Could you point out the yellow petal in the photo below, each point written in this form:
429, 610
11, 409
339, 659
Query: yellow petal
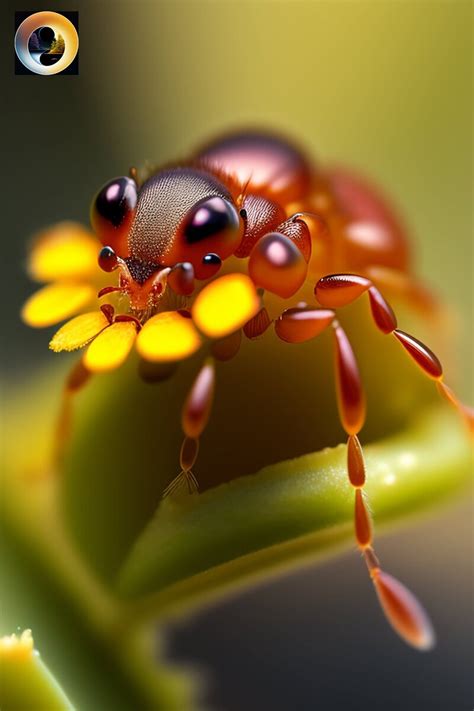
65, 251
168, 336
111, 347
225, 305
56, 302
79, 331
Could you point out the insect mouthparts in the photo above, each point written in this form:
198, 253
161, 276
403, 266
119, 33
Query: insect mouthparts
141, 270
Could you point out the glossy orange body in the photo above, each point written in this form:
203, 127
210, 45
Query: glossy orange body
252, 185
276, 181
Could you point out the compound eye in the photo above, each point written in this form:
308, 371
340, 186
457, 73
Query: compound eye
212, 226
112, 213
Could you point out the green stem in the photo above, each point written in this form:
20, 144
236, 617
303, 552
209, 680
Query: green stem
294, 511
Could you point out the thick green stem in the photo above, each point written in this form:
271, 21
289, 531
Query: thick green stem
291, 511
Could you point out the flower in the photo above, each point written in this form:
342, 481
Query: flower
67, 254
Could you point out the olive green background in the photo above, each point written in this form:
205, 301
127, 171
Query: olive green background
382, 86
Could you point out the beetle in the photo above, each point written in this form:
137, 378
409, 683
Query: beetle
254, 197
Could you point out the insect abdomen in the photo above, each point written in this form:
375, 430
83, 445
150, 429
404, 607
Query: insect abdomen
264, 164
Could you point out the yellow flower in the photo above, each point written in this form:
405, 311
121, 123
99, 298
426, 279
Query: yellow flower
67, 255
169, 335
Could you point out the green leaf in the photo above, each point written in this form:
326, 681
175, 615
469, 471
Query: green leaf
292, 510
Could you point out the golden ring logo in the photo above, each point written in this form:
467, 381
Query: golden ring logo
46, 43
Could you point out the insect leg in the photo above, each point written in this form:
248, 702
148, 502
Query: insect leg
194, 418
75, 381
338, 290
403, 611
401, 608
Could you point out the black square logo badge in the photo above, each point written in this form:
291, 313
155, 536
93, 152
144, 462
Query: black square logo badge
46, 42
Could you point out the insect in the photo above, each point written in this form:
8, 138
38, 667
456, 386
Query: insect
251, 199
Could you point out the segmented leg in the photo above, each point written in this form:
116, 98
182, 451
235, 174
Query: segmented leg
194, 418
338, 290
401, 608
76, 380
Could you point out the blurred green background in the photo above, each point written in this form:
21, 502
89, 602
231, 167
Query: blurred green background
382, 86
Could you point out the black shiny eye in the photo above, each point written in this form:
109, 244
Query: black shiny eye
212, 218
115, 200
211, 260
210, 265
112, 211
108, 259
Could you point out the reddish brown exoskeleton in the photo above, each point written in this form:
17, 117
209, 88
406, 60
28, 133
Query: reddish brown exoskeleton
255, 197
